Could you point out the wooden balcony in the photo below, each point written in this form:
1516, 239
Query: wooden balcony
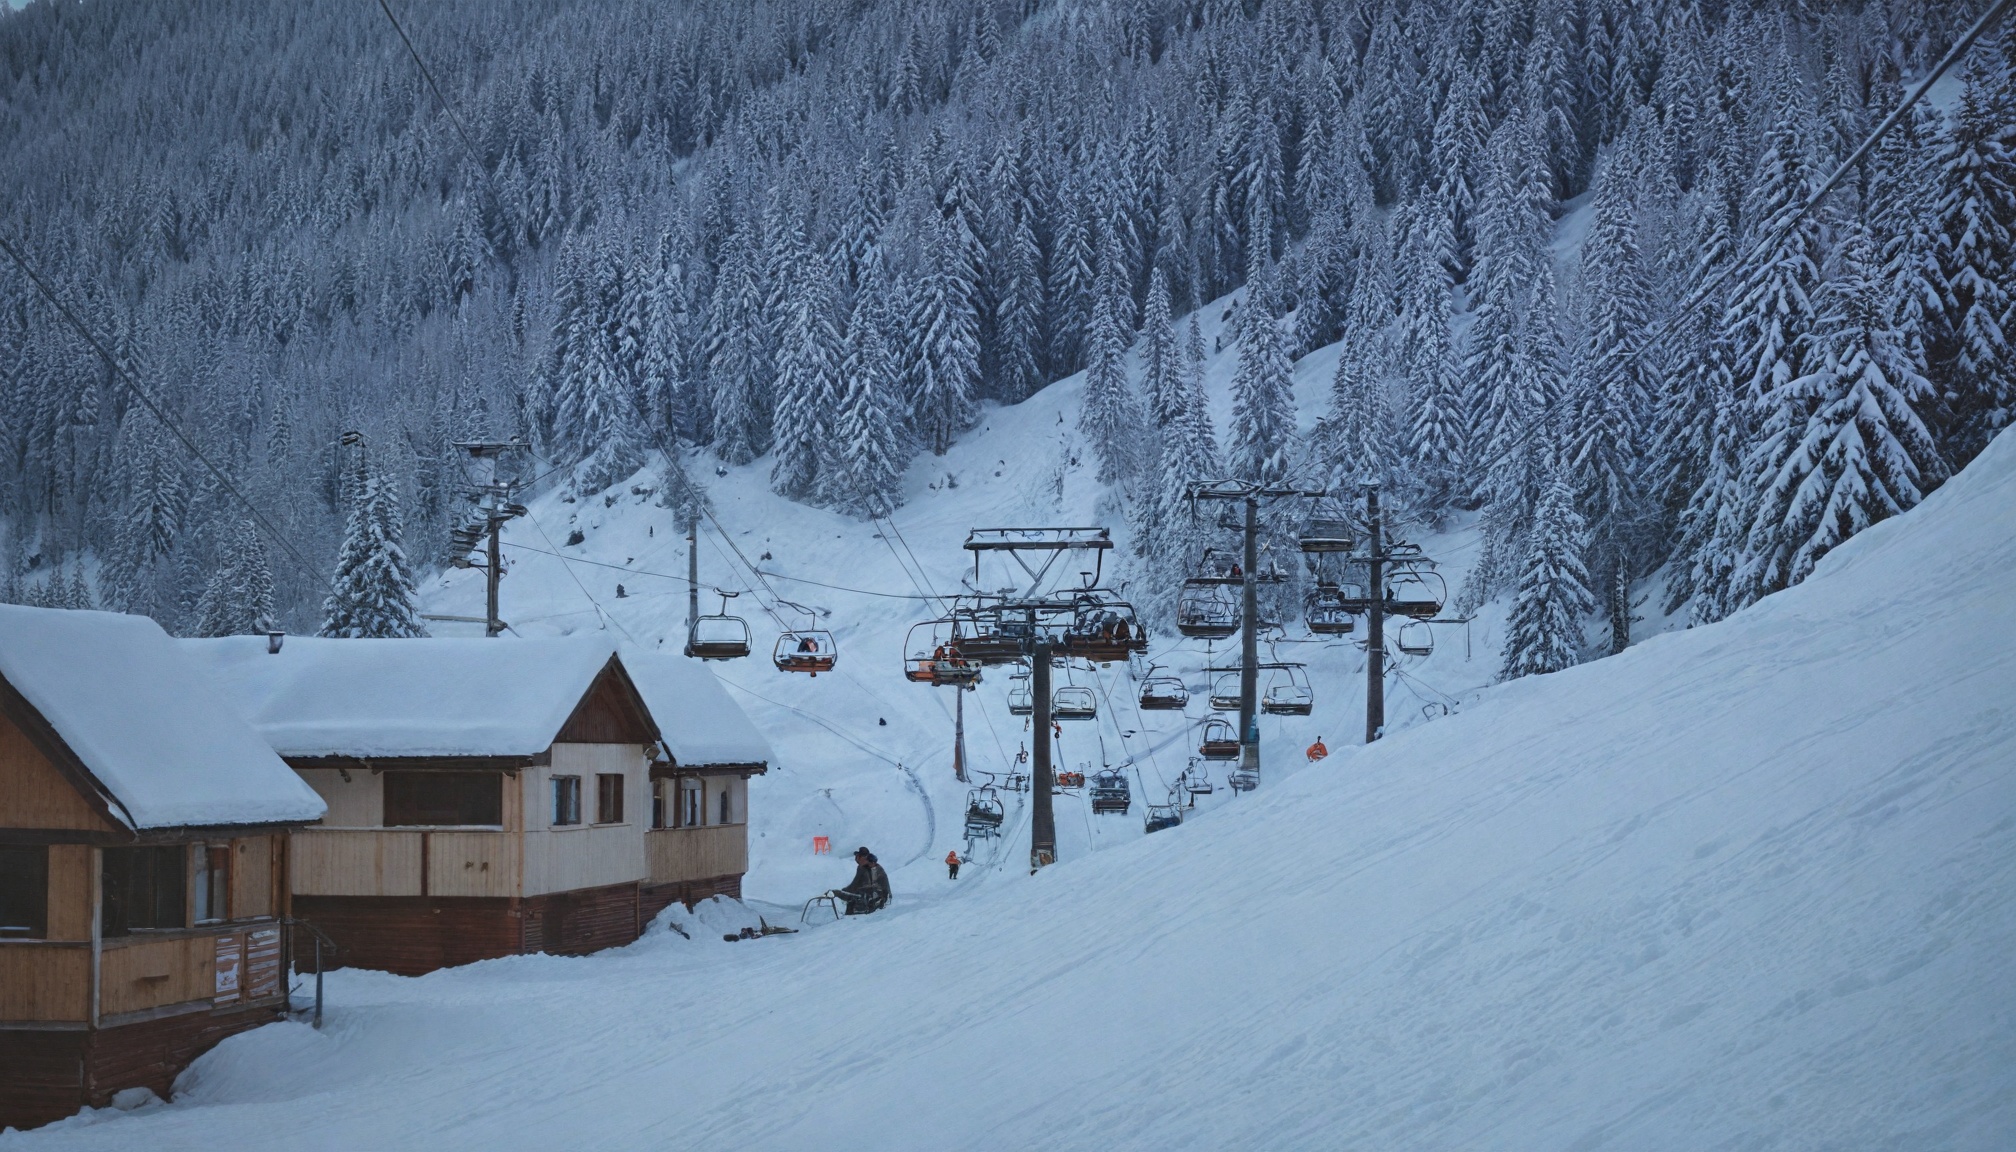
679, 854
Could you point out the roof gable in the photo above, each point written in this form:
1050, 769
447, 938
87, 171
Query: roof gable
699, 723
109, 698
611, 712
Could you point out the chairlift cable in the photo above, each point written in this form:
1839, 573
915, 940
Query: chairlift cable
600, 612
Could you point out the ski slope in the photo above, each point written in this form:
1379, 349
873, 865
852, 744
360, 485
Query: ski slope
1746, 886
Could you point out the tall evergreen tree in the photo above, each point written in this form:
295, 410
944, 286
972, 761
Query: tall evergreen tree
1263, 394
1163, 372
372, 595
1969, 351
238, 600
808, 383
944, 353
1544, 631
868, 473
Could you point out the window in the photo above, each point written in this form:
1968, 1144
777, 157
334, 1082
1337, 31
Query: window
24, 892
566, 800
213, 882
658, 803
690, 809
143, 888
413, 797
609, 798
727, 804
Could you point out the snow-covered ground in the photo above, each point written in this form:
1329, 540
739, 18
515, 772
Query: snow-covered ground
1745, 886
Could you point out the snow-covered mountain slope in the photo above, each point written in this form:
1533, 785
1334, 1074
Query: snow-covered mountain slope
1750, 885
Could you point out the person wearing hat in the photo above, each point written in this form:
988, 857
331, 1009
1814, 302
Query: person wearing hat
952, 862
870, 887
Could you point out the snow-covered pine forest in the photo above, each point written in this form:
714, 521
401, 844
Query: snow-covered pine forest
832, 232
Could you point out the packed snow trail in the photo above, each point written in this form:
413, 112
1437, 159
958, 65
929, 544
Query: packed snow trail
1750, 885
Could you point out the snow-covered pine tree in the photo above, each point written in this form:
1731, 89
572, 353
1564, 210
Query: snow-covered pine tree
157, 502
1969, 352
1437, 421
808, 383
1163, 371
596, 357
1771, 310
1072, 256
867, 479
1841, 446
944, 351
739, 360
1263, 395
1110, 415
238, 598
372, 595
1544, 631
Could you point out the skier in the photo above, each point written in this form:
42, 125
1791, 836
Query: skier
870, 887
1318, 750
952, 863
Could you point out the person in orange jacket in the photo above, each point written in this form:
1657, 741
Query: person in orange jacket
1317, 751
952, 863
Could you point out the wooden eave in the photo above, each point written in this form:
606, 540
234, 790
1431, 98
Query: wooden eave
43, 735
423, 763
666, 769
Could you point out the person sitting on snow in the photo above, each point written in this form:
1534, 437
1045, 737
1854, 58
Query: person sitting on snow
870, 887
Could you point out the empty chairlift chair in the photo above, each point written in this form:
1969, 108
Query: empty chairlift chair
1326, 534
1206, 611
1220, 741
1288, 691
1325, 613
1020, 701
1074, 702
1110, 794
1162, 816
1418, 592
1416, 638
1244, 781
1197, 779
718, 635
984, 813
1225, 693
1164, 694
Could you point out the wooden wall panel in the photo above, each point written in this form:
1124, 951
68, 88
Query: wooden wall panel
407, 935
252, 878
586, 855
610, 713
71, 909
150, 1053
33, 794
137, 973
473, 863
682, 854
355, 863
583, 921
356, 803
655, 898
45, 982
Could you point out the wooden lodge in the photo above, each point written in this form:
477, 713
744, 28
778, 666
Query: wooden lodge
144, 835
489, 797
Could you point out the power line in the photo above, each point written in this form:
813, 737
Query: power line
1700, 295
454, 116
132, 385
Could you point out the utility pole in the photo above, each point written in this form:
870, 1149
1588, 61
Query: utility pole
1042, 815
495, 506
1375, 632
692, 575
959, 735
1249, 643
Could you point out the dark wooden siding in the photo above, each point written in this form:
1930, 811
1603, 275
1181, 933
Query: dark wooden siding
655, 898
46, 1075
412, 935
581, 921
611, 713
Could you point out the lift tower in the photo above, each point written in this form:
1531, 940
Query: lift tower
495, 506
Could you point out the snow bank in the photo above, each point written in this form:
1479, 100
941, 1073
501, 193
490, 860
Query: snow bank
322, 697
149, 725
698, 722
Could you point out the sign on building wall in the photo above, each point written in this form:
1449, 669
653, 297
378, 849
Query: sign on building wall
230, 954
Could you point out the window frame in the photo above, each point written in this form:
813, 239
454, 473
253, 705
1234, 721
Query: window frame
163, 861
660, 804
609, 788
400, 784
566, 801
32, 885
209, 883
727, 804
692, 806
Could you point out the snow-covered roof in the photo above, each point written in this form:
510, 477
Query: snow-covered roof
149, 724
697, 720
394, 698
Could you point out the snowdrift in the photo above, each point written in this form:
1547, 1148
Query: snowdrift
1751, 885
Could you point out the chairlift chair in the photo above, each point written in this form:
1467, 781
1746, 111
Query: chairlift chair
1206, 611
1217, 567
1067, 781
1197, 779
1325, 613
808, 650
1073, 702
1021, 702
1416, 638
1162, 816
717, 635
1105, 631
935, 655
987, 640
1325, 534
1164, 694
1110, 794
1225, 693
1243, 780
1288, 692
1220, 742
1416, 592
984, 812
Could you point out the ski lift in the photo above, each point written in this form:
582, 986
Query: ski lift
1288, 691
1206, 611
984, 812
1197, 779
808, 650
1163, 693
1225, 693
986, 639
1217, 567
1073, 702
718, 636
1220, 742
1244, 780
1105, 631
1416, 638
1110, 793
1416, 592
1325, 613
1325, 535
1069, 782
935, 655
1020, 701
1162, 816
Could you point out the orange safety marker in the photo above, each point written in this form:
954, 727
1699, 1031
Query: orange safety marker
821, 845
1317, 751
